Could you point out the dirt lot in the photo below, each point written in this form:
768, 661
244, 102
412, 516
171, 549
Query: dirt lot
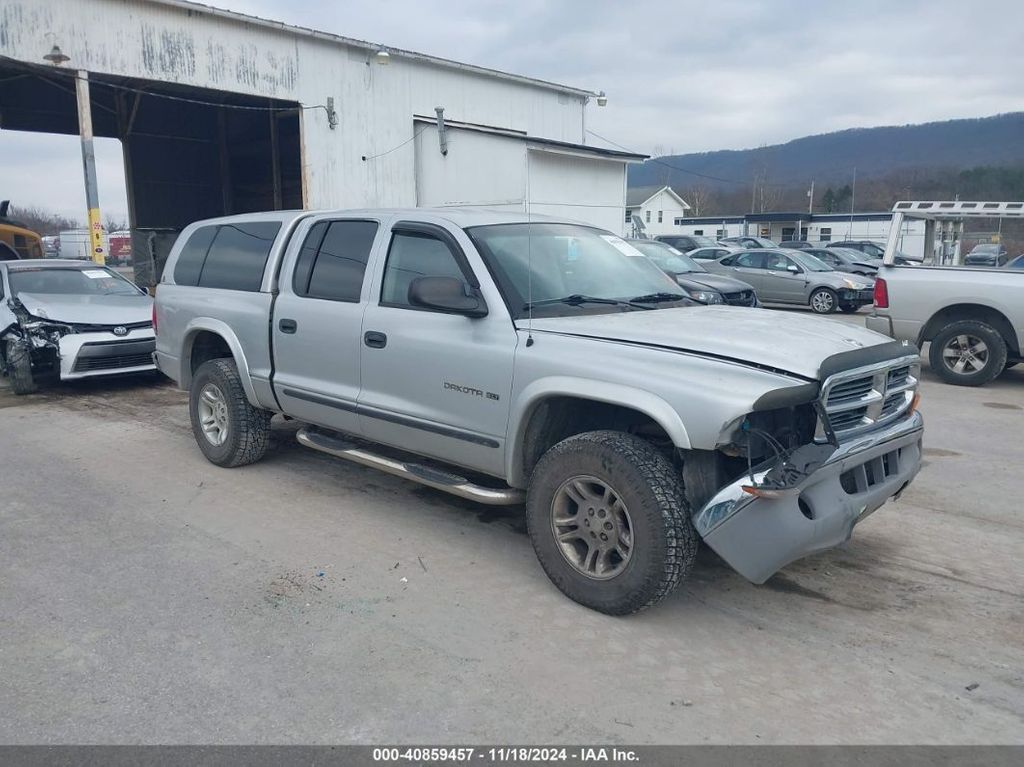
148, 596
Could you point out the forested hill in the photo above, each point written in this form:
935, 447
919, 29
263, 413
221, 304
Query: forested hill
830, 157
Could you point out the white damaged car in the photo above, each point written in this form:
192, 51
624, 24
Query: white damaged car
62, 320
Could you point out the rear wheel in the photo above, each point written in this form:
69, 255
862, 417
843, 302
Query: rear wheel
609, 521
228, 429
19, 367
968, 353
824, 301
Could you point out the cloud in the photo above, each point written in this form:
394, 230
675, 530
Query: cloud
681, 75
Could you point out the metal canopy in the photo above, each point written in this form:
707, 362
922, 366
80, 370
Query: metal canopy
956, 210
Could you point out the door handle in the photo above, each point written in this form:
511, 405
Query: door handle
288, 326
375, 340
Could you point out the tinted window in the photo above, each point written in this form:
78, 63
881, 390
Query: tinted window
192, 255
412, 256
341, 261
238, 256
304, 264
828, 258
750, 260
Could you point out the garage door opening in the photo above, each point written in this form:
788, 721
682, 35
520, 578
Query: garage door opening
189, 153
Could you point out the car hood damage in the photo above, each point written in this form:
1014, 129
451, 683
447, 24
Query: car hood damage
807, 347
88, 309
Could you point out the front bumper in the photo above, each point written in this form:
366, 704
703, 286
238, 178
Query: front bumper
84, 355
860, 297
757, 536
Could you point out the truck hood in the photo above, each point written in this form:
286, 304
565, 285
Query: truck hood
809, 347
88, 310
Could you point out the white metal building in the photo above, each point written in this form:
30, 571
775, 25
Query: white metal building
658, 209
223, 113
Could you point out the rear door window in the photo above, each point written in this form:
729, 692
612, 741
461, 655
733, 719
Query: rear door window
340, 264
750, 260
238, 256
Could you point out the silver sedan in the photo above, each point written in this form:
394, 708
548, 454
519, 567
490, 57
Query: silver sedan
793, 277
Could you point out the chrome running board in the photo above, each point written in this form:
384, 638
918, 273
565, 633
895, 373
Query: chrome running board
424, 475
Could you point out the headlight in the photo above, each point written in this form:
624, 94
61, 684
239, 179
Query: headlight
854, 285
706, 296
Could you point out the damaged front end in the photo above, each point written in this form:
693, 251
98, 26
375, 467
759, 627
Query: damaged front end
803, 477
36, 338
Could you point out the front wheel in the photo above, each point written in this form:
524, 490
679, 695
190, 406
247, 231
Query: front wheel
19, 367
824, 301
609, 521
228, 429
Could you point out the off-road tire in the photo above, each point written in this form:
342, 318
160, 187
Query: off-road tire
19, 367
994, 342
832, 304
849, 308
664, 541
1010, 364
248, 427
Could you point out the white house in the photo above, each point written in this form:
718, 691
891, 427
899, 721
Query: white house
658, 209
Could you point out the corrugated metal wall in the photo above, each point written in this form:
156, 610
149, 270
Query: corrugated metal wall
374, 103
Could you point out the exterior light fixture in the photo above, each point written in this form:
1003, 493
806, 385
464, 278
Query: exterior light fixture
383, 57
602, 99
56, 56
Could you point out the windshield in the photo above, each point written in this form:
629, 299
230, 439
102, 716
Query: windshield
809, 262
534, 263
702, 242
985, 249
94, 281
667, 257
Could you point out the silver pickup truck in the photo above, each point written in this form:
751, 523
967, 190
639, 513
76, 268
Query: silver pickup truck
972, 317
510, 359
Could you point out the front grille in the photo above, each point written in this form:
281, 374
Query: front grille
114, 355
741, 298
861, 399
112, 363
130, 326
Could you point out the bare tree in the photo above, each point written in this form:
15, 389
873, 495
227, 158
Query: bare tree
699, 197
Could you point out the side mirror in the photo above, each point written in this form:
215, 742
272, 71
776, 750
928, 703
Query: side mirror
793, 269
144, 289
447, 294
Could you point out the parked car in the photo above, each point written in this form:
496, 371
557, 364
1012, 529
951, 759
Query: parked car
1017, 263
972, 319
987, 255
798, 244
748, 242
793, 277
713, 253
534, 355
873, 250
698, 283
843, 260
685, 242
63, 320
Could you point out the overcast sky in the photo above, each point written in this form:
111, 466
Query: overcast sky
681, 75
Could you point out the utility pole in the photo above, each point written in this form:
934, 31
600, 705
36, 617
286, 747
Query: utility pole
92, 197
810, 199
853, 198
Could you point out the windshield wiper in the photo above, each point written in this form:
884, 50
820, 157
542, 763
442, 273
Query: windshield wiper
657, 298
576, 299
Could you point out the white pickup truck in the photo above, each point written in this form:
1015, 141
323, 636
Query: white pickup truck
973, 317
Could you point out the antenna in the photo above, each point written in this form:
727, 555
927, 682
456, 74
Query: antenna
529, 257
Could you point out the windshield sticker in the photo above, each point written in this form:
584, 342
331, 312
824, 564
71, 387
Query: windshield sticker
96, 274
620, 245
